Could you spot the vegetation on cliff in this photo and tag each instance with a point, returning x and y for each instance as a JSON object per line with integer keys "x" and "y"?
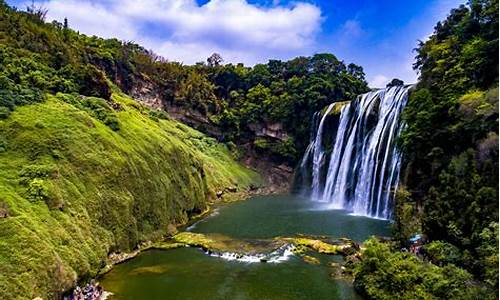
{"x": 73, "y": 189}
{"x": 450, "y": 149}
{"x": 86, "y": 170}
{"x": 36, "y": 56}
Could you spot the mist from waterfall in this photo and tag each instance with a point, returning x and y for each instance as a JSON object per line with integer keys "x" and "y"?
{"x": 360, "y": 171}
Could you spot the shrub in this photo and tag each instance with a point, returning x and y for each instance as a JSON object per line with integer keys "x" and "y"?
{"x": 442, "y": 253}
{"x": 30, "y": 172}
{"x": 156, "y": 115}
{"x": 262, "y": 144}
{"x": 38, "y": 190}
{"x": 386, "y": 274}
{"x": 4, "y": 112}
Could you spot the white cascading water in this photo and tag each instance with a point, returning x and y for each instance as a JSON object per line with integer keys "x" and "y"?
{"x": 318, "y": 155}
{"x": 363, "y": 171}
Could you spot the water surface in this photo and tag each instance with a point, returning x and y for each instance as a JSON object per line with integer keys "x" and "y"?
{"x": 188, "y": 273}
{"x": 287, "y": 215}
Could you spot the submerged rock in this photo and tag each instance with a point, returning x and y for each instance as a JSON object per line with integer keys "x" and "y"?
{"x": 311, "y": 260}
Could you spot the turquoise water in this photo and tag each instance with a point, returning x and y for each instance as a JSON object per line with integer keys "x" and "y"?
{"x": 188, "y": 273}
{"x": 286, "y": 215}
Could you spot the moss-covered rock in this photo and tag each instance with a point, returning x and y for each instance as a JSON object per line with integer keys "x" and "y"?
{"x": 338, "y": 247}
{"x": 221, "y": 243}
{"x": 336, "y": 109}
{"x": 311, "y": 260}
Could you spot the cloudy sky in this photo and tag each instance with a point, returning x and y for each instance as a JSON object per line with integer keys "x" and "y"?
{"x": 378, "y": 35}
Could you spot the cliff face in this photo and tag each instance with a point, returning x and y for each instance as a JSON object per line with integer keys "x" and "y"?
{"x": 302, "y": 175}
{"x": 276, "y": 172}
{"x": 76, "y": 186}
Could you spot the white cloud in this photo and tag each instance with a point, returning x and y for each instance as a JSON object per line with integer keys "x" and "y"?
{"x": 90, "y": 18}
{"x": 183, "y": 30}
{"x": 378, "y": 81}
{"x": 352, "y": 29}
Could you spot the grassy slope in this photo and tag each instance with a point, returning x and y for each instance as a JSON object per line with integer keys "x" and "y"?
{"x": 76, "y": 190}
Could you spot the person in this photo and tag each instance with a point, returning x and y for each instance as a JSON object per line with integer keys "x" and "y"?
{"x": 77, "y": 294}
{"x": 99, "y": 291}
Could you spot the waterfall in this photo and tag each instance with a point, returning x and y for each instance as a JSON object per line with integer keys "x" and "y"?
{"x": 363, "y": 172}
{"x": 318, "y": 156}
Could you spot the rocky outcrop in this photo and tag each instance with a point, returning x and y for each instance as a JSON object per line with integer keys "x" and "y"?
{"x": 301, "y": 244}
{"x": 194, "y": 119}
{"x": 269, "y": 130}
{"x": 277, "y": 176}
{"x": 147, "y": 93}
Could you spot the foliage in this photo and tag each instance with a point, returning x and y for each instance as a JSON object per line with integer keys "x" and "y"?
{"x": 406, "y": 217}
{"x": 450, "y": 143}
{"x": 442, "y": 253}
{"x": 387, "y": 274}
{"x": 38, "y": 190}
{"x": 282, "y": 92}
{"x": 104, "y": 191}
{"x": 37, "y": 57}
{"x": 462, "y": 54}
{"x": 488, "y": 254}
{"x": 395, "y": 82}
{"x": 196, "y": 92}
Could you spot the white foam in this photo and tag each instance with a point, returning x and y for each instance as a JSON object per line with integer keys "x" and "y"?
{"x": 213, "y": 214}
{"x": 105, "y": 295}
{"x": 280, "y": 255}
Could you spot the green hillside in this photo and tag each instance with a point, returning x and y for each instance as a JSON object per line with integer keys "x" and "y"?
{"x": 72, "y": 189}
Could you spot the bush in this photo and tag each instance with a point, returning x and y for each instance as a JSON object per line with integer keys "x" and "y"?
{"x": 38, "y": 190}
{"x": 406, "y": 217}
{"x": 30, "y": 172}
{"x": 386, "y": 274}
{"x": 286, "y": 149}
{"x": 442, "y": 253}
{"x": 157, "y": 115}
{"x": 262, "y": 144}
{"x": 4, "y": 112}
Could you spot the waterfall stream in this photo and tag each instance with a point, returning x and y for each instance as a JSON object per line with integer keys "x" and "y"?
{"x": 363, "y": 170}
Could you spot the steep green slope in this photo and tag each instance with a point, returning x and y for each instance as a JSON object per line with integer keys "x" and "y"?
{"x": 230, "y": 101}
{"x": 72, "y": 189}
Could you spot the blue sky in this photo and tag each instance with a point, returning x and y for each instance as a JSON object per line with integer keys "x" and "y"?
{"x": 378, "y": 35}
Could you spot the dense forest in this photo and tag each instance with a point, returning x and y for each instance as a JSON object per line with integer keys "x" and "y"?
{"x": 451, "y": 155}
{"x": 39, "y": 57}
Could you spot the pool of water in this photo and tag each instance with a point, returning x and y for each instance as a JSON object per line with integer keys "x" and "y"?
{"x": 188, "y": 273}
{"x": 287, "y": 215}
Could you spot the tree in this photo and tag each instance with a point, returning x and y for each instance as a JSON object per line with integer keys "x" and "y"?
{"x": 215, "y": 60}
{"x": 395, "y": 82}
{"x": 39, "y": 12}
